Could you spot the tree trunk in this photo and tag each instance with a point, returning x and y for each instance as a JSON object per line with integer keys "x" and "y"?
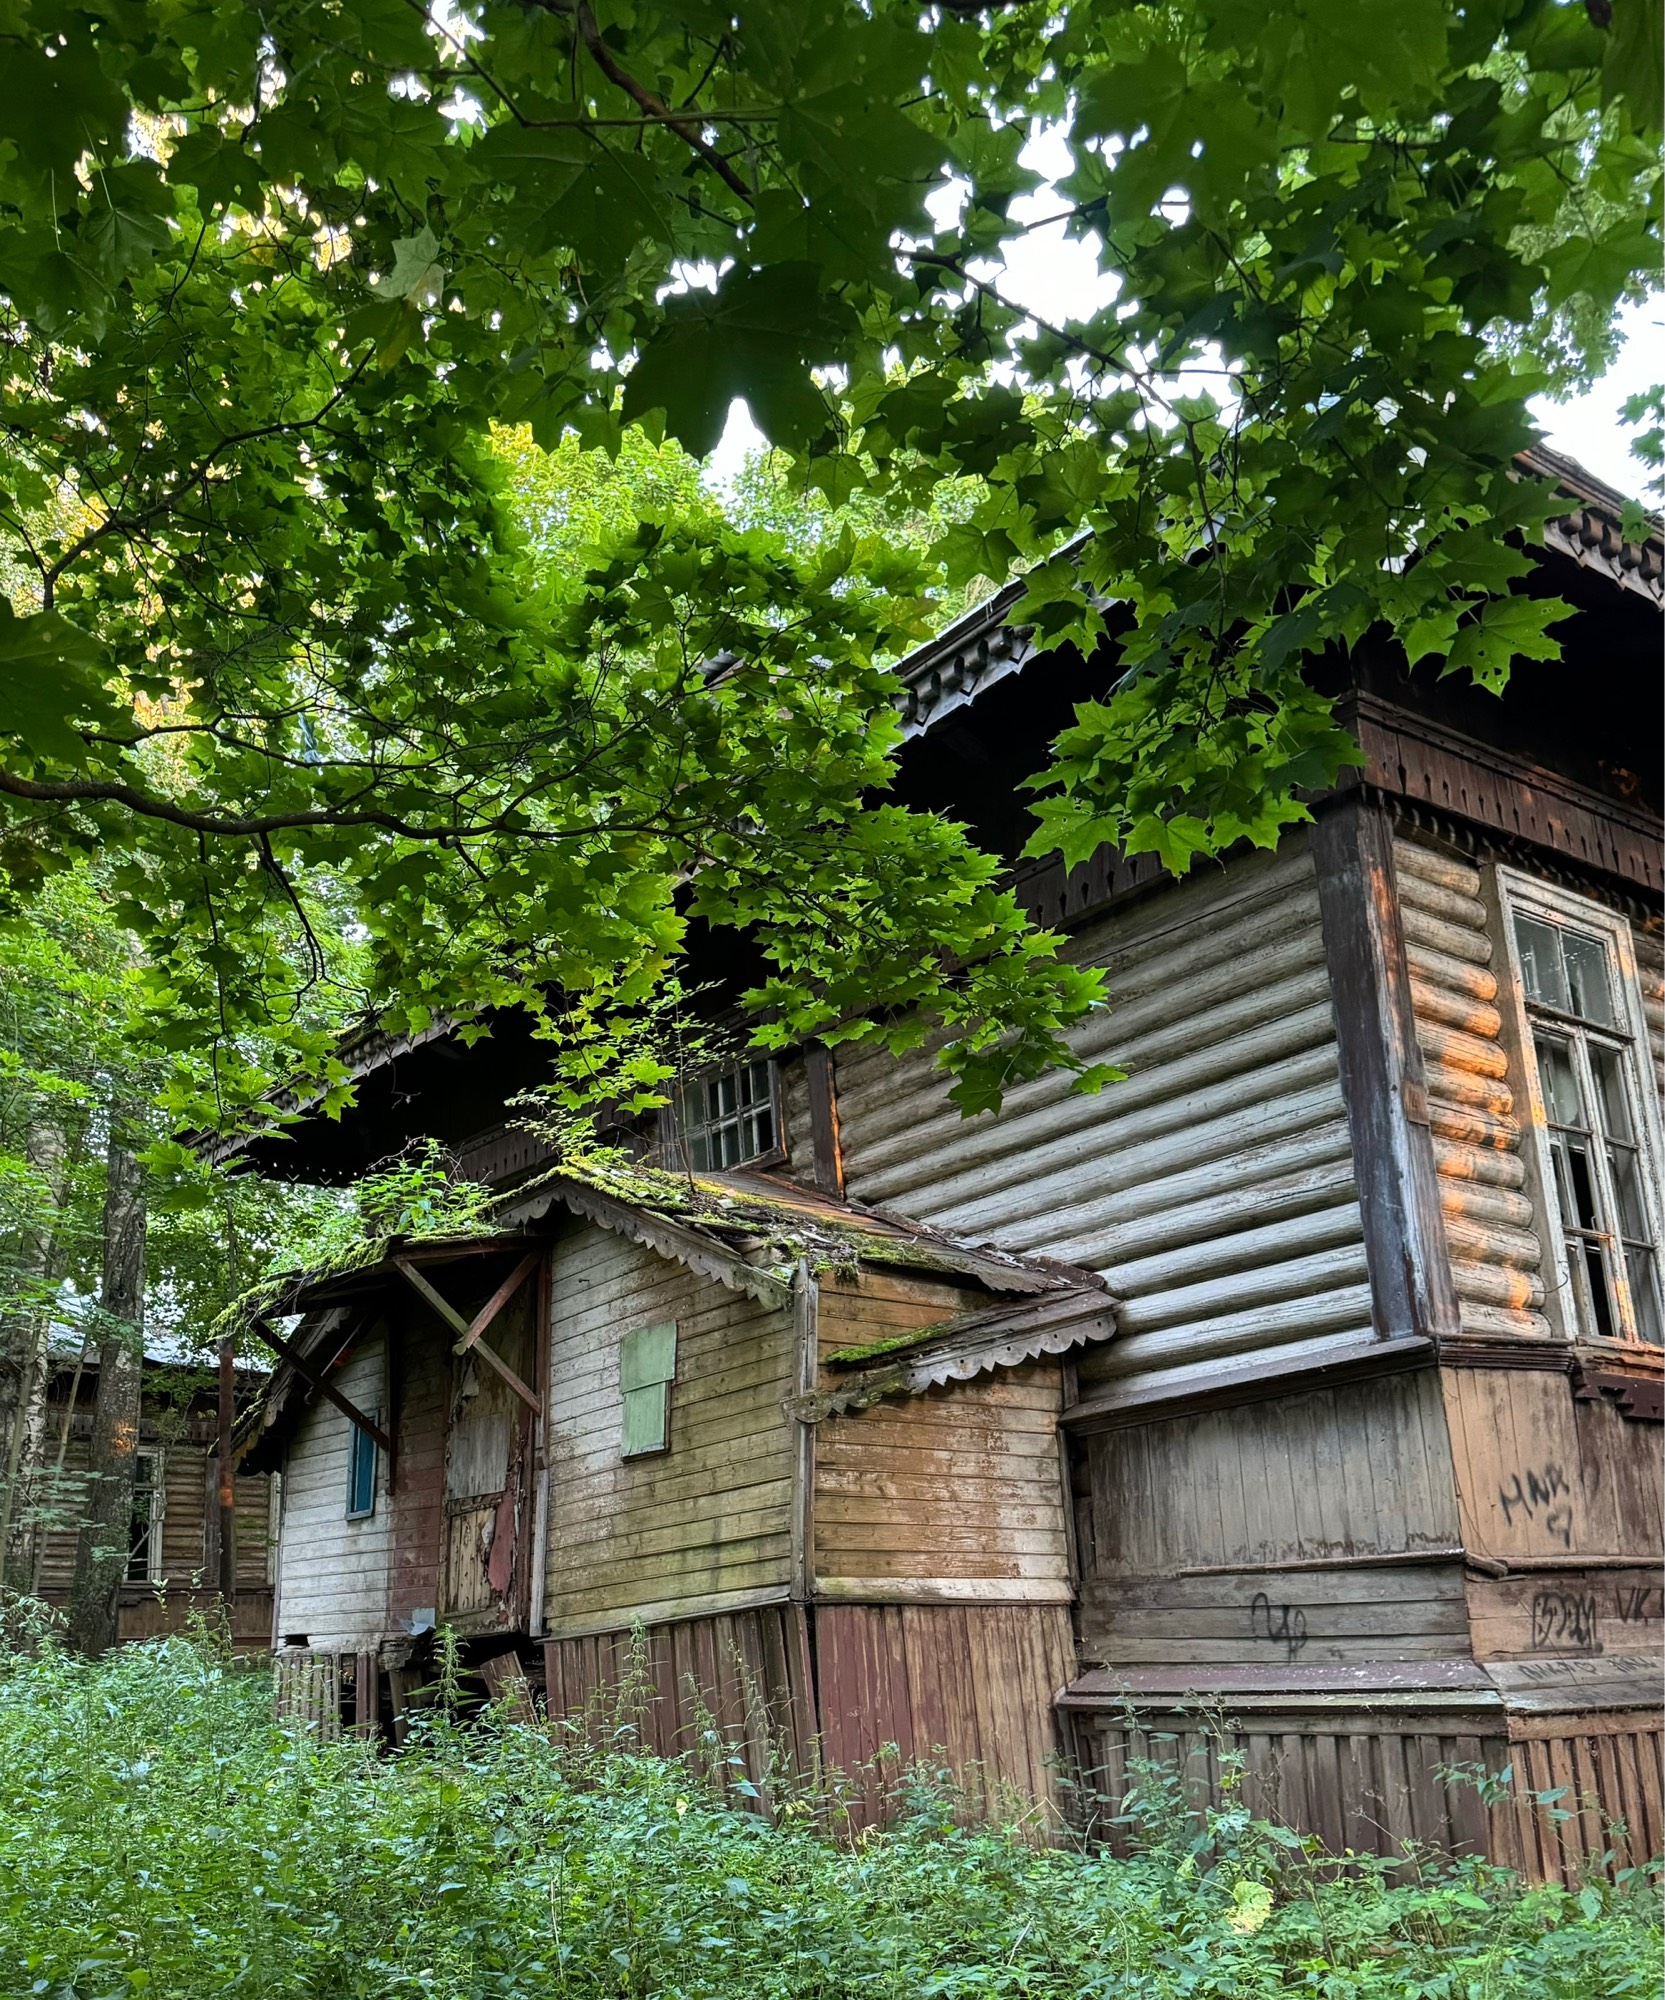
{"x": 101, "y": 1554}
{"x": 25, "y": 1426}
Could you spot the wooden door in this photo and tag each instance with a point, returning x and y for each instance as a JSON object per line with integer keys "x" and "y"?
{"x": 488, "y": 1472}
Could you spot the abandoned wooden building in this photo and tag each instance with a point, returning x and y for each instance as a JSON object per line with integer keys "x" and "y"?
{"x": 1310, "y": 1378}
{"x": 173, "y": 1564}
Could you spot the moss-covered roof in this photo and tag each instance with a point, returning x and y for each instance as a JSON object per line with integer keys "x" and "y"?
{"x": 751, "y": 1231}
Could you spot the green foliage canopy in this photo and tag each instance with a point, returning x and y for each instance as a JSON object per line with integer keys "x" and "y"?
{"x": 268, "y": 276}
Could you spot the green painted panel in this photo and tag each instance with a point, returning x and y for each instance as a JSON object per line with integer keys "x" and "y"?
{"x": 647, "y": 1355}
{"x": 646, "y": 1414}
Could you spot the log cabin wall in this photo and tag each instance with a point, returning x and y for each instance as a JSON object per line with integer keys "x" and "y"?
{"x": 184, "y": 1571}
{"x": 704, "y": 1526}
{"x": 332, "y": 1582}
{"x": 1213, "y": 1189}
{"x": 1490, "y": 1224}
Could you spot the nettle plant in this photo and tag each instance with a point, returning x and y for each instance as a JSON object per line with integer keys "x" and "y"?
{"x": 268, "y": 276}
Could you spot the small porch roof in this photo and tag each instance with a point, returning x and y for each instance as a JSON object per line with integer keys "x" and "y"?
{"x": 749, "y": 1231}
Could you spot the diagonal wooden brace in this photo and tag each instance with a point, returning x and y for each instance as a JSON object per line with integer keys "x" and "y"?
{"x": 498, "y": 1300}
{"x": 304, "y": 1368}
{"x": 468, "y": 1335}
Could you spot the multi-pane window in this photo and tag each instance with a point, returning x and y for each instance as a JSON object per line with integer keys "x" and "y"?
{"x": 729, "y": 1118}
{"x": 144, "y": 1538}
{"x": 1595, "y": 1123}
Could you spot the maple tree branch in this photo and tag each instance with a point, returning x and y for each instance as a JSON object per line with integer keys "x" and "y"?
{"x": 684, "y": 124}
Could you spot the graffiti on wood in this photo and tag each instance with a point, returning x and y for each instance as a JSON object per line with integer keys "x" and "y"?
{"x": 1540, "y": 1493}
{"x": 1565, "y": 1621}
{"x": 1278, "y": 1624}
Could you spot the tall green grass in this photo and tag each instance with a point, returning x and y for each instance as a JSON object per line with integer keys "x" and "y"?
{"x": 161, "y": 1835}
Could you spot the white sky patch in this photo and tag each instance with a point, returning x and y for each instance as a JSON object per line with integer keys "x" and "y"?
{"x": 1059, "y": 279}
{"x": 1590, "y": 427}
{"x": 740, "y": 438}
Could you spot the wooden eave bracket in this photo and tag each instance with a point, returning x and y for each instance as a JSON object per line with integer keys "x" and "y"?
{"x": 287, "y": 1351}
{"x": 971, "y": 1345}
{"x": 469, "y": 1332}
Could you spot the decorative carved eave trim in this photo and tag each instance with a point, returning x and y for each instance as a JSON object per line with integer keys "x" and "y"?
{"x": 968, "y": 656}
{"x": 1415, "y": 763}
{"x": 770, "y": 1286}
{"x": 1592, "y": 534}
{"x": 972, "y": 1344}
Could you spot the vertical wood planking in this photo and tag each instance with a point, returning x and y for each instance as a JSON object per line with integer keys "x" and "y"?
{"x": 967, "y": 1688}
{"x": 746, "y": 1673}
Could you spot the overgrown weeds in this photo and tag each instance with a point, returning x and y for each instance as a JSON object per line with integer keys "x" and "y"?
{"x": 161, "y": 1835}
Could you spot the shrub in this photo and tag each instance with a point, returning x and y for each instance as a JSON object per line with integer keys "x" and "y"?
{"x": 161, "y": 1835}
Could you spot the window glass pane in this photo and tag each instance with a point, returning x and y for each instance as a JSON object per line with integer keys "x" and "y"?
{"x": 1587, "y": 981}
{"x": 1583, "y": 1187}
{"x": 361, "y": 1474}
{"x": 1611, "y": 1099}
{"x": 1540, "y": 963}
{"x": 1562, "y": 1099}
{"x": 1563, "y": 1183}
{"x": 1626, "y": 1170}
{"x": 728, "y": 1120}
{"x": 1606, "y": 1325}
{"x": 1643, "y": 1273}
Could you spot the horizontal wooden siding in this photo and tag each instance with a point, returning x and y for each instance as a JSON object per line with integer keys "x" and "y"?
{"x": 332, "y": 1572}
{"x": 706, "y": 1520}
{"x": 1214, "y": 1188}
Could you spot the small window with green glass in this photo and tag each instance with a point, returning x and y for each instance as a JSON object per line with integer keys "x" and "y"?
{"x": 647, "y": 1368}
{"x": 361, "y": 1471}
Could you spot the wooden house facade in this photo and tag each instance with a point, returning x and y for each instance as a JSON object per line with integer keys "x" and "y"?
{"x": 173, "y": 1565}
{"x": 1302, "y": 1392}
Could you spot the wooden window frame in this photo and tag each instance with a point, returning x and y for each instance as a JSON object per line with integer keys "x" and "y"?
{"x": 359, "y": 1440}
{"x": 1522, "y": 895}
{"x": 653, "y": 1391}
{"x": 682, "y": 1130}
{"x": 154, "y": 1572}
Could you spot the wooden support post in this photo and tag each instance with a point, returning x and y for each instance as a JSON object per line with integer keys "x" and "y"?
{"x": 402, "y": 1683}
{"x": 366, "y": 1688}
{"x": 806, "y": 1302}
{"x": 495, "y": 1304}
{"x": 827, "y": 1152}
{"x": 1382, "y": 1078}
{"x": 322, "y": 1384}
{"x": 226, "y": 1483}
